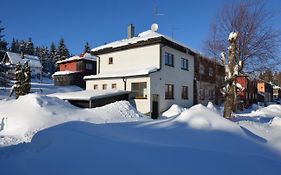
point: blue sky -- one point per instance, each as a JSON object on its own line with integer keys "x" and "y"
{"x": 98, "y": 22}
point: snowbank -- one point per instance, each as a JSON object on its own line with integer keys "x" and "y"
{"x": 270, "y": 111}
{"x": 33, "y": 112}
{"x": 276, "y": 121}
{"x": 201, "y": 117}
{"x": 174, "y": 110}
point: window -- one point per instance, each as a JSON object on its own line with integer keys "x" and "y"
{"x": 114, "y": 86}
{"x": 211, "y": 94}
{"x": 139, "y": 90}
{"x": 79, "y": 66}
{"x": 201, "y": 69}
{"x": 184, "y": 92}
{"x": 89, "y": 66}
{"x": 201, "y": 94}
{"x": 95, "y": 86}
{"x": 104, "y": 86}
{"x": 169, "y": 91}
{"x": 169, "y": 59}
{"x": 184, "y": 64}
{"x": 211, "y": 71}
{"x": 110, "y": 60}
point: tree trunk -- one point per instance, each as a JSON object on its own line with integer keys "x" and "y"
{"x": 230, "y": 79}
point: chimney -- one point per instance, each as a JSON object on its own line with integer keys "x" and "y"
{"x": 131, "y": 31}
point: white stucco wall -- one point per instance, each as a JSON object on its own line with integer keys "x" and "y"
{"x": 176, "y": 76}
{"x": 142, "y": 105}
{"x": 136, "y": 58}
{"x": 145, "y": 57}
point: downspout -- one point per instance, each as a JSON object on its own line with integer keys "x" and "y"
{"x": 98, "y": 71}
{"x": 98, "y": 63}
{"x": 125, "y": 83}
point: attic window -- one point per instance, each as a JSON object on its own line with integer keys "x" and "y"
{"x": 110, "y": 60}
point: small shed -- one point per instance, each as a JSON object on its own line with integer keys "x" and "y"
{"x": 93, "y": 98}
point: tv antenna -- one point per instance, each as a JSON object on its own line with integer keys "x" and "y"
{"x": 156, "y": 13}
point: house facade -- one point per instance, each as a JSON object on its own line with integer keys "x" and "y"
{"x": 11, "y": 59}
{"x": 158, "y": 70}
{"x": 208, "y": 81}
{"x": 72, "y": 70}
{"x": 276, "y": 92}
{"x": 265, "y": 91}
{"x": 247, "y": 91}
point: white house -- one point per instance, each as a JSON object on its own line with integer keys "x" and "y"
{"x": 12, "y": 59}
{"x": 158, "y": 70}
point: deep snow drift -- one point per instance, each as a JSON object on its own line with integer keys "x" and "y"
{"x": 70, "y": 140}
{"x": 21, "y": 119}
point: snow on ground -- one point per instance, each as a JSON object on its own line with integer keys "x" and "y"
{"x": 44, "y": 86}
{"x": 264, "y": 122}
{"x": 41, "y": 134}
{"x": 22, "y": 118}
{"x": 198, "y": 141}
{"x": 174, "y": 110}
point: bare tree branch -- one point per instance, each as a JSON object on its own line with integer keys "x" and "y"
{"x": 258, "y": 43}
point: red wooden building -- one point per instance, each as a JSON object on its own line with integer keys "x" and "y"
{"x": 246, "y": 90}
{"x": 72, "y": 70}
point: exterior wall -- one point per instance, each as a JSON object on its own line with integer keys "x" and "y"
{"x": 145, "y": 57}
{"x": 206, "y": 80}
{"x": 173, "y": 75}
{"x": 130, "y": 59}
{"x": 70, "y": 66}
{"x": 261, "y": 87}
{"x": 242, "y": 80}
{"x": 142, "y": 105}
{"x": 266, "y": 89}
{"x": 205, "y": 87}
{"x": 276, "y": 93}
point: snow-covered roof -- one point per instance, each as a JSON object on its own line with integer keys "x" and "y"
{"x": 85, "y": 56}
{"x": 123, "y": 73}
{"x": 88, "y": 94}
{"x": 33, "y": 61}
{"x": 276, "y": 87}
{"x": 144, "y": 36}
{"x": 64, "y": 72}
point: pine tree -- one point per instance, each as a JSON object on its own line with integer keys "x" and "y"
{"x": 22, "y": 47}
{"x": 14, "y": 46}
{"x": 62, "y": 51}
{"x": 3, "y": 43}
{"x": 17, "y": 87}
{"x": 52, "y": 56}
{"x": 26, "y": 79}
{"x": 29, "y": 47}
{"x": 87, "y": 48}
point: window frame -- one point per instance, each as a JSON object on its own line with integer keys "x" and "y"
{"x": 104, "y": 86}
{"x": 139, "y": 90}
{"x": 201, "y": 69}
{"x": 184, "y": 92}
{"x": 184, "y": 64}
{"x": 96, "y": 86}
{"x": 110, "y": 60}
{"x": 169, "y": 59}
{"x": 169, "y": 92}
{"x": 88, "y": 66}
{"x": 201, "y": 94}
{"x": 113, "y": 86}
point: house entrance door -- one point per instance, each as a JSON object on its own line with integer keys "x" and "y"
{"x": 155, "y": 106}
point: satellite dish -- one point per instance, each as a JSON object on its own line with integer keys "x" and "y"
{"x": 154, "y": 27}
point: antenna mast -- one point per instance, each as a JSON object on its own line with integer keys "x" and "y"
{"x": 156, "y": 13}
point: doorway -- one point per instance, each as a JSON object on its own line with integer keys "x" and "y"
{"x": 155, "y": 106}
